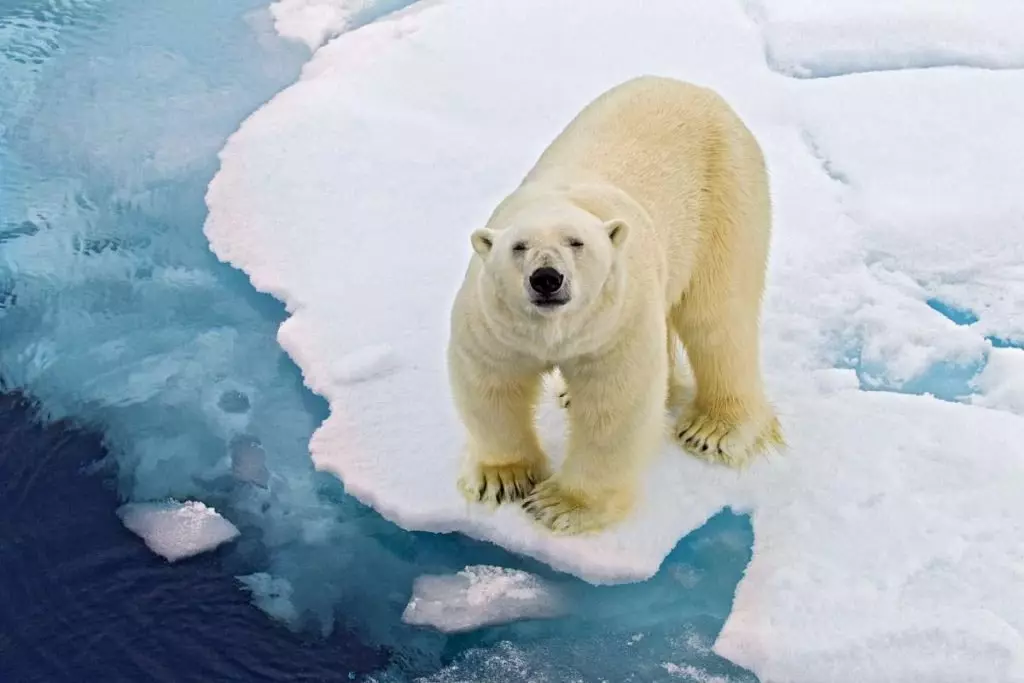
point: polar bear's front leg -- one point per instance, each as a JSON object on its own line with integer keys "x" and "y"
{"x": 616, "y": 423}
{"x": 730, "y": 421}
{"x": 503, "y": 459}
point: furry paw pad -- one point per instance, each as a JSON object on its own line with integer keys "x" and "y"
{"x": 497, "y": 484}
{"x": 566, "y": 513}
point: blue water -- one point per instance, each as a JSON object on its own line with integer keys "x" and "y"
{"x": 153, "y": 372}
{"x": 962, "y": 316}
{"x": 1005, "y": 343}
{"x": 946, "y": 380}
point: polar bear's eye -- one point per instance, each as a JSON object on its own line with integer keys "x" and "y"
{"x": 519, "y": 247}
{"x": 575, "y": 243}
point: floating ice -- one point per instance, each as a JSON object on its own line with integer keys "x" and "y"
{"x": 479, "y": 596}
{"x": 314, "y": 21}
{"x": 816, "y": 38}
{"x": 888, "y": 538}
{"x": 176, "y": 530}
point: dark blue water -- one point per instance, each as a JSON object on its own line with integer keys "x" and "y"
{"x": 154, "y": 372}
{"x": 81, "y": 599}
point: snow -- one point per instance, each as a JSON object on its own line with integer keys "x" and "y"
{"x": 816, "y": 39}
{"x": 314, "y": 22}
{"x": 176, "y": 530}
{"x": 888, "y": 540}
{"x": 911, "y": 172}
{"x": 1000, "y": 384}
{"x": 479, "y": 596}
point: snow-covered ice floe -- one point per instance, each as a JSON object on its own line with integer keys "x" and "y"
{"x": 889, "y": 537}
{"x": 175, "y": 530}
{"x": 314, "y": 22}
{"x": 824, "y": 38}
{"x": 478, "y": 596}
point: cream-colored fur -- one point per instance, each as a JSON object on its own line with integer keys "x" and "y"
{"x": 666, "y": 190}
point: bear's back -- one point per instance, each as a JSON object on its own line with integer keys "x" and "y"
{"x": 666, "y": 143}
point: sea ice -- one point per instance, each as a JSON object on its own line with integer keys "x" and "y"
{"x": 887, "y": 539}
{"x": 822, "y": 38}
{"x": 932, "y": 193}
{"x": 176, "y": 530}
{"x": 479, "y": 596}
{"x": 314, "y": 22}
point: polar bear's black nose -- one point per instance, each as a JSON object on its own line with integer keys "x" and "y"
{"x": 546, "y": 281}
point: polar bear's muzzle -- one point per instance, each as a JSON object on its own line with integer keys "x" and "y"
{"x": 547, "y": 288}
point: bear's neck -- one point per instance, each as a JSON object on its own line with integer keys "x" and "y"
{"x": 559, "y": 338}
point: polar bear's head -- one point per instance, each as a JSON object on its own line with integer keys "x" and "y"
{"x": 550, "y": 262}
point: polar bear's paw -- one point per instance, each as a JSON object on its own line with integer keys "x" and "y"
{"x": 566, "y": 512}
{"x": 726, "y": 441}
{"x": 497, "y": 484}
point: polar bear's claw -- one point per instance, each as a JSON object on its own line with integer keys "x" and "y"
{"x": 728, "y": 442}
{"x": 565, "y": 512}
{"x": 497, "y": 484}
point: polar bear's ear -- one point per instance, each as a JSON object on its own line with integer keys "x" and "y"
{"x": 482, "y": 240}
{"x": 618, "y": 232}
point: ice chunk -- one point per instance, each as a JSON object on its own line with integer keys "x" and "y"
{"x": 314, "y": 21}
{"x": 479, "y": 596}
{"x": 812, "y": 39}
{"x": 176, "y": 530}
{"x": 883, "y": 502}
{"x": 1001, "y": 385}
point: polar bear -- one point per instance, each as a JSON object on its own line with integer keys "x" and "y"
{"x": 645, "y": 222}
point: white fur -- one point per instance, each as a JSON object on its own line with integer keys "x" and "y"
{"x": 667, "y": 192}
